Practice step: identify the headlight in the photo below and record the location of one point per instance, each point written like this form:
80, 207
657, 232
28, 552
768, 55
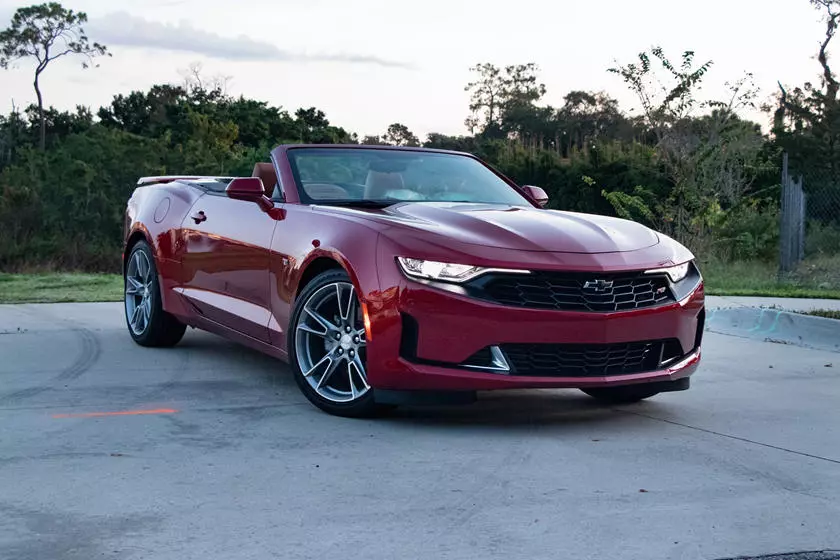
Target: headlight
446, 272
437, 270
675, 273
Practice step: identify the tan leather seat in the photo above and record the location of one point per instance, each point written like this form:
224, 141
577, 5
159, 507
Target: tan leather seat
378, 184
265, 171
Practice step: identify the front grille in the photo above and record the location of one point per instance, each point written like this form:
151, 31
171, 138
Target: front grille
574, 291
591, 360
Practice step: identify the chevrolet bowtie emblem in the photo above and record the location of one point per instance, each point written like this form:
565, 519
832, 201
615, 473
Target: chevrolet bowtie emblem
599, 285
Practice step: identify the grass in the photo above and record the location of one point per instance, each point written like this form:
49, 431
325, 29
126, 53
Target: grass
826, 313
59, 287
815, 278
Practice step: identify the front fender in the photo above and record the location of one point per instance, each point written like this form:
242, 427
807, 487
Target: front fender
300, 241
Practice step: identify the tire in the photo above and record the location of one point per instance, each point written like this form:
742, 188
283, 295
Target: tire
621, 395
327, 347
147, 322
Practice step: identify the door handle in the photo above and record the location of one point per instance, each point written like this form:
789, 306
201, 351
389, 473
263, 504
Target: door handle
199, 217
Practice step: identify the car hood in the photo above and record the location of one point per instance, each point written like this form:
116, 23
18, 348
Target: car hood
517, 228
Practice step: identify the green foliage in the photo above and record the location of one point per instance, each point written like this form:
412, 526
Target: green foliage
746, 233
666, 92
824, 313
64, 206
822, 239
631, 206
815, 278
688, 167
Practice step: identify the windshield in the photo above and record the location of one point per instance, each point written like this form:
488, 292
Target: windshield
370, 177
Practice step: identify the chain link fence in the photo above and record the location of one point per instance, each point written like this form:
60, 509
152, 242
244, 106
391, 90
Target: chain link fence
810, 215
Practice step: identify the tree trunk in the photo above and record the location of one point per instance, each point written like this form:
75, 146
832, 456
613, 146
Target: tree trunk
42, 121
831, 85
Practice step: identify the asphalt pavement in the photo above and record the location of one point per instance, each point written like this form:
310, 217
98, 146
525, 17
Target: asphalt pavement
209, 451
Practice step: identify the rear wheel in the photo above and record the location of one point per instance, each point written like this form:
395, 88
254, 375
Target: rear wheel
622, 395
148, 324
328, 347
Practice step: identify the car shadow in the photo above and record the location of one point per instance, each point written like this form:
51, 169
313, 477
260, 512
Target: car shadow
519, 408
504, 408
247, 362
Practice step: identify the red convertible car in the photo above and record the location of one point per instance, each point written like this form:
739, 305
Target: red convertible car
389, 275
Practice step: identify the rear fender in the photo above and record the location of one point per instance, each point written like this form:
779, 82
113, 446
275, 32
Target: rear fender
156, 212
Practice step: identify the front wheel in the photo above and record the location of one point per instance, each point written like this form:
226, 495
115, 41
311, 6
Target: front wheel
328, 348
622, 395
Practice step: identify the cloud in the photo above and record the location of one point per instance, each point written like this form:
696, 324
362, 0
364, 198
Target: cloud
120, 28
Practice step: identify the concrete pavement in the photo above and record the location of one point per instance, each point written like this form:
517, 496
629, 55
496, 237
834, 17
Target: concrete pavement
777, 320
231, 462
788, 304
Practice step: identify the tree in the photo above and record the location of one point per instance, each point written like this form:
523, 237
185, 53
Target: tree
521, 87
832, 20
314, 128
399, 135
446, 142
588, 116
708, 159
195, 80
372, 141
487, 94
806, 125
668, 99
46, 32
499, 95
807, 121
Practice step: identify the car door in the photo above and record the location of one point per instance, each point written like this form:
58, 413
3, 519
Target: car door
225, 263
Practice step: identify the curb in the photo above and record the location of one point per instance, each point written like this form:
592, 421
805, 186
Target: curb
776, 325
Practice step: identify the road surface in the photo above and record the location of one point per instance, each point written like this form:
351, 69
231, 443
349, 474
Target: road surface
214, 454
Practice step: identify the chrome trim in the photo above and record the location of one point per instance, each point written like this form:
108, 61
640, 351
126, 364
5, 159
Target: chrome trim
665, 271
691, 292
145, 181
473, 276
684, 363
498, 362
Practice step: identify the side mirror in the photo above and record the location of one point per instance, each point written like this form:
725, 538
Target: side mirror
250, 189
246, 188
537, 194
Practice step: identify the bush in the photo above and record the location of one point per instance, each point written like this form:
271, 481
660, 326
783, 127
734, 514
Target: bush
822, 239
64, 206
747, 233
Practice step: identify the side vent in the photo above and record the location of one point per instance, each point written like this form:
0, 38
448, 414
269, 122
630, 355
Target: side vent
409, 337
701, 325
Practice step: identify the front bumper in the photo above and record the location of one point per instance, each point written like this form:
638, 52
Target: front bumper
449, 329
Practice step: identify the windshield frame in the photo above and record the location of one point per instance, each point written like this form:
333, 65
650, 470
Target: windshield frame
304, 198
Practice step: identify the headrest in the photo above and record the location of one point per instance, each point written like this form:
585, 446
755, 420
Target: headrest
265, 171
378, 183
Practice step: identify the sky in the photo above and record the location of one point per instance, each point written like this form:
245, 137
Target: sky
369, 63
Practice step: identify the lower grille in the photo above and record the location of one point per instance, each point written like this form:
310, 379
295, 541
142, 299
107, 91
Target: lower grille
589, 360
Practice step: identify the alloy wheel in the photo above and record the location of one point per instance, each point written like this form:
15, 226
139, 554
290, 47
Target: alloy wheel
138, 292
330, 343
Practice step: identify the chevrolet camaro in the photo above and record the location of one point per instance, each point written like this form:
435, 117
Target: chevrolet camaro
389, 275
